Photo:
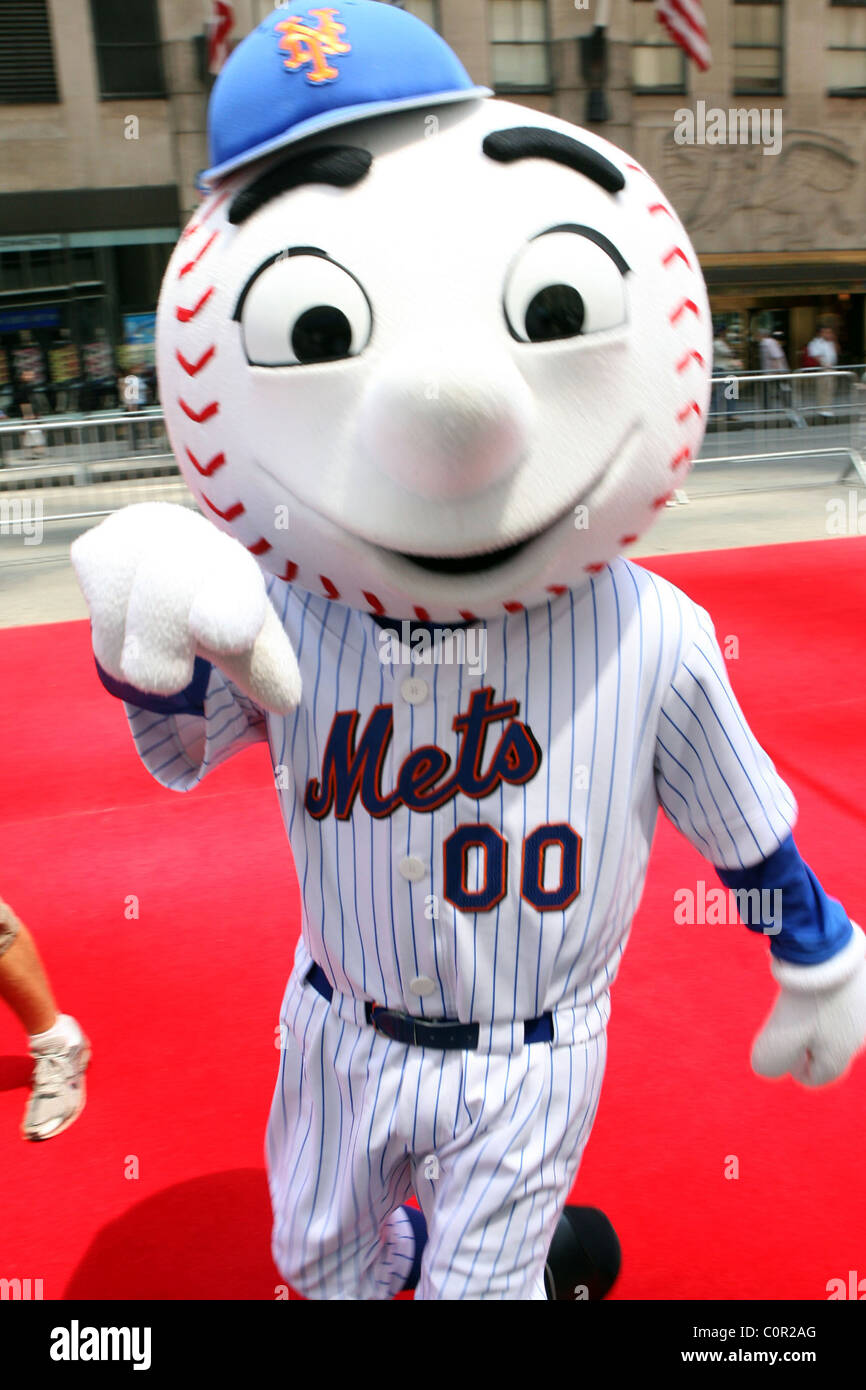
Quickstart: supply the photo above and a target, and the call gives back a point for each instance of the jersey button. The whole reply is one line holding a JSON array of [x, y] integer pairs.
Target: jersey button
[[412, 868], [414, 690], [422, 985]]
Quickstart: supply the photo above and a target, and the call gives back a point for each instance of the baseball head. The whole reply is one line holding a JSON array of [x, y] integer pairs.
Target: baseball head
[[444, 361]]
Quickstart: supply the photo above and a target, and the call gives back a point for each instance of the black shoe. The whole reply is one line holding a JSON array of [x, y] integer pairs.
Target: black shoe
[[584, 1257]]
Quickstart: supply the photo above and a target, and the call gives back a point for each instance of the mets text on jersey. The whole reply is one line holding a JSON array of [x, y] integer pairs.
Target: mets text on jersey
[[350, 768]]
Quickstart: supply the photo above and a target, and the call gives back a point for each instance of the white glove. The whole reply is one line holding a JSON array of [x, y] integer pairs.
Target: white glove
[[818, 1023], [163, 585]]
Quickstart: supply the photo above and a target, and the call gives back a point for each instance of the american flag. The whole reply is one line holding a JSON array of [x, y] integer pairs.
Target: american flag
[[219, 28], [685, 22]]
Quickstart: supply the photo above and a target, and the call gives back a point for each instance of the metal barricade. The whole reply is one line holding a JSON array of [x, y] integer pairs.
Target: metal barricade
[[779, 417], [70, 468]]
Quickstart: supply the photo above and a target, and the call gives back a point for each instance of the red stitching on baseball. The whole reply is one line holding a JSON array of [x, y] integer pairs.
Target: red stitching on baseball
[[682, 457], [557, 589], [374, 603], [289, 572], [193, 368], [198, 417], [627, 540], [213, 207], [467, 616], [184, 315], [196, 226], [207, 470], [660, 501], [659, 207], [681, 309], [692, 356], [235, 510], [422, 615], [672, 255], [691, 409], [330, 589], [261, 547], [513, 607], [594, 569], [191, 265]]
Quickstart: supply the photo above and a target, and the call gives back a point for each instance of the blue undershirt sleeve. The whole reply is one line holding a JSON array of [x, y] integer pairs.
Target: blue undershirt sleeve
[[804, 925]]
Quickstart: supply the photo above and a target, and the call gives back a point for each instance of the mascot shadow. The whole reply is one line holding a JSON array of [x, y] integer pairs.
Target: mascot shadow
[[203, 1239]]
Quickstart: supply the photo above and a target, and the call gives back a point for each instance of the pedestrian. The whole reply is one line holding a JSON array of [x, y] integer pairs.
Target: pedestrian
[[773, 361], [32, 404], [772, 353], [132, 390], [725, 364], [56, 1042], [824, 352]]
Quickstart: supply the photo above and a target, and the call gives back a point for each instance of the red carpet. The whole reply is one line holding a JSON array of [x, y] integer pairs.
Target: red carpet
[[159, 1189]]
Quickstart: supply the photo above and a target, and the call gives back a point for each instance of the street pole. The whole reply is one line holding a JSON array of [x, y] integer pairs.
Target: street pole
[[593, 66]]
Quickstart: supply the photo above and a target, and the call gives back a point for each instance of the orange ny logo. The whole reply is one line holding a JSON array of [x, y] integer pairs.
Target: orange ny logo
[[306, 43]]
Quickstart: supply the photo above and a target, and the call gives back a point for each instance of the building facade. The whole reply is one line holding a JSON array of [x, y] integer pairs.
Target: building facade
[[102, 132]]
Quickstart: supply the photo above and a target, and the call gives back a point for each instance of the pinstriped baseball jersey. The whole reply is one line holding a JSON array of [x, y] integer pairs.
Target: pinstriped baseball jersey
[[473, 844]]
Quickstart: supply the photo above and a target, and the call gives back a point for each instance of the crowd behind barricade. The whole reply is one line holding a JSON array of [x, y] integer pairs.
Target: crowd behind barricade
[[31, 396], [38, 387], [803, 376], [731, 355]]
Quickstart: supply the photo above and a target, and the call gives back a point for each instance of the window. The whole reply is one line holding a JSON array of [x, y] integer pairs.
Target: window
[[26, 53], [128, 49], [846, 51], [657, 63], [520, 40], [758, 46], [11, 271], [428, 10]]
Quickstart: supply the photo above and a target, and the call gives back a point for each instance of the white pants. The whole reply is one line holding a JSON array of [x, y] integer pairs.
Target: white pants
[[489, 1143]]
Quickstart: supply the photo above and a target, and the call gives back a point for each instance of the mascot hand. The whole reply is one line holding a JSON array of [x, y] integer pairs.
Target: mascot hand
[[163, 585], [818, 1023]]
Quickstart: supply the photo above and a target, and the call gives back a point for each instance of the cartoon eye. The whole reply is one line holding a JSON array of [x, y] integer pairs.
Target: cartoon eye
[[566, 282], [301, 307]]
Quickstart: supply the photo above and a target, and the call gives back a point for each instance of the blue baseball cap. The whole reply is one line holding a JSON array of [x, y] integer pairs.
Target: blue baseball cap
[[304, 70]]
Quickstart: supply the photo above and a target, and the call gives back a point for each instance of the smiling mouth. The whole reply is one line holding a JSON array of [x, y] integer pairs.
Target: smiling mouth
[[465, 564], [485, 561]]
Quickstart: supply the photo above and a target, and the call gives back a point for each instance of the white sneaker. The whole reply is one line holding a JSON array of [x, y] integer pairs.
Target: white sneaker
[[58, 1093]]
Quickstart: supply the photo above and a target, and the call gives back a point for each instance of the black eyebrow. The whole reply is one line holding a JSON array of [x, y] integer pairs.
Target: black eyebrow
[[340, 166], [536, 142]]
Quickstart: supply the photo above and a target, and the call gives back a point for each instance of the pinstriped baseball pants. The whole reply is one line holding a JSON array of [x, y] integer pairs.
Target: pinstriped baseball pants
[[489, 1143]]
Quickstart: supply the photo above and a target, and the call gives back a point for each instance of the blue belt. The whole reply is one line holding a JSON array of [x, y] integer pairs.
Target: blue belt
[[445, 1033]]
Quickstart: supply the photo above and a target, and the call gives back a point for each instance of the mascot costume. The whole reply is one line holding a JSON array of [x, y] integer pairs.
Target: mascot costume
[[429, 362]]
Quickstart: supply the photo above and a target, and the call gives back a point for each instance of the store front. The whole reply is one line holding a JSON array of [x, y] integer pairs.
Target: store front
[[77, 306], [790, 297]]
